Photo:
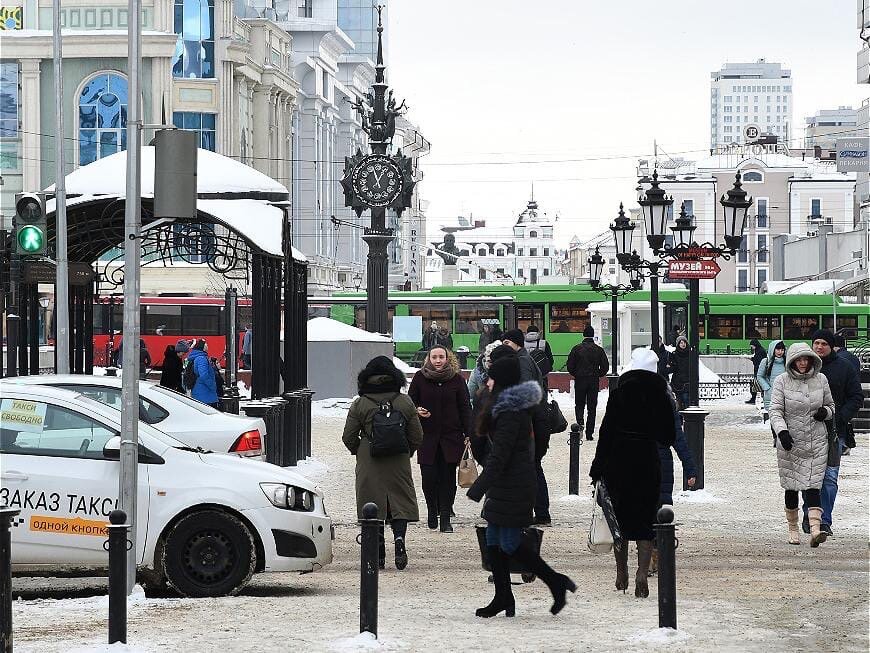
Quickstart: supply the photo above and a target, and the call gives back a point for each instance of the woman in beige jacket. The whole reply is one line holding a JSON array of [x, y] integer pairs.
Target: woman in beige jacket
[[800, 404]]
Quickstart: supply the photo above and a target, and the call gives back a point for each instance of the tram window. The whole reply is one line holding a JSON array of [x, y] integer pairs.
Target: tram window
[[200, 320], [440, 313], [359, 313], [846, 324], [527, 315], [725, 327], [568, 318], [162, 321], [471, 318], [799, 327], [765, 327], [101, 318]]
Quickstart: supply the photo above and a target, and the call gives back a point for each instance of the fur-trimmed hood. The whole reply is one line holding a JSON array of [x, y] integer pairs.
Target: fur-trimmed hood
[[517, 397], [380, 375]]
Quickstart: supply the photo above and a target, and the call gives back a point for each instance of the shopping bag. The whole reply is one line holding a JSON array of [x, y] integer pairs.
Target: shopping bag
[[600, 537], [466, 474]]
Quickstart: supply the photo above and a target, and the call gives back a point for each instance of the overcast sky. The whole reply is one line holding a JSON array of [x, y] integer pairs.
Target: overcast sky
[[569, 93]]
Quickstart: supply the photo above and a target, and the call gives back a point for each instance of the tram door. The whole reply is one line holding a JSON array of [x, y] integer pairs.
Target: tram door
[[676, 317], [530, 314]]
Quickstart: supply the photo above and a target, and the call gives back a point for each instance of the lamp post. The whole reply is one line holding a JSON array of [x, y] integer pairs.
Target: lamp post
[[44, 302]]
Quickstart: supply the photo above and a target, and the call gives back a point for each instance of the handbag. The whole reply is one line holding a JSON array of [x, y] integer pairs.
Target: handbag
[[555, 419], [600, 537], [467, 473]]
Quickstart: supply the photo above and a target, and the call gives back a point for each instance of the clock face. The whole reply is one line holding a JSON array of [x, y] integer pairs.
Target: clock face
[[377, 181]]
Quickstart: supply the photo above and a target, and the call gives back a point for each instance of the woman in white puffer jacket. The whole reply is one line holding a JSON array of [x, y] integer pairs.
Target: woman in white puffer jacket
[[799, 406]]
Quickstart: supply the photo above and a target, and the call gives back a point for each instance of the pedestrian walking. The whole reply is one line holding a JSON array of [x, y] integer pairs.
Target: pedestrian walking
[[204, 385], [664, 357], [441, 397], [539, 350], [144, 358], [514, 343], [772, 366], [801, 403], [759, 355], [247, 347], [848, 398], [680, 367], [508, 480], [170, 375], [587, 363], [219, 381], [639, 418], [384, 480], [478, 393]]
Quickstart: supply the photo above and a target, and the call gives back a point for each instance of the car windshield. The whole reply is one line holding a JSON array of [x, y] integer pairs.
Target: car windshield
[[193, 403]]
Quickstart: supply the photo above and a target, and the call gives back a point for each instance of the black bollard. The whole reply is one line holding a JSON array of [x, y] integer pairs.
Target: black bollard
[[693, 426], [118, 542], [6, 516], [666, 543], [368, 587], [574, 460]]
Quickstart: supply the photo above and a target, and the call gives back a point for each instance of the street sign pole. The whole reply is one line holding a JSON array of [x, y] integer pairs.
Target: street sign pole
[[61, 292], [128, 478]]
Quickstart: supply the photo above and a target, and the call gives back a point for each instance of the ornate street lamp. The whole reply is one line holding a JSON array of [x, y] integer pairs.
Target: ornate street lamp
[[684, 229], [656, 207], [735, 205], [622, 229], [596, 267]]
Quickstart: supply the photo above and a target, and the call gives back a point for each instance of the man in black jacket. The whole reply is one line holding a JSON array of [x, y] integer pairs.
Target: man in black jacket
[[514, 343], [848, 399], [587, 363], [759, 354]]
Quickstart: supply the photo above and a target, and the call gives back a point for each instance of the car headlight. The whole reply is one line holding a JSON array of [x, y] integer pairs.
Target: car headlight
[[288, 497]]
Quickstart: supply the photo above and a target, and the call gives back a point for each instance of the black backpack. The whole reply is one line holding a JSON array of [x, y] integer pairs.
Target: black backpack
[[541, 359], [387, 437], [188, 378]]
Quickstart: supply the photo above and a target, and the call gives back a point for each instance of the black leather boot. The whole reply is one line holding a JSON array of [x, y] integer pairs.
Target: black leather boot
[[446, 526], [501, 578], [558, 583], [621, 555]]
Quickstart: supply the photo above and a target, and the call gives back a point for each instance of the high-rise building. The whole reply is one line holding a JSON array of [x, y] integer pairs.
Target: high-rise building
[[744, 95], [359, 20]]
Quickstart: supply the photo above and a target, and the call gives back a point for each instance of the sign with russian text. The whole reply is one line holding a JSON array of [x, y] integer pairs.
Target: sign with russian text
[[23, 416], [702, 269], [852, 154]]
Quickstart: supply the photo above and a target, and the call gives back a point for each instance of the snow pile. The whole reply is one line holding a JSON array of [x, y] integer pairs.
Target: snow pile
[[403, 367], [311, 468], [574, 498], [336, 407], [324, 329], [662, 636], [697, 496], [366, 641], [706, 375]]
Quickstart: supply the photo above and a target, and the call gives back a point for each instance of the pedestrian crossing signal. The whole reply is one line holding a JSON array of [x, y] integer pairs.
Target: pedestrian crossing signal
[[30, 224]]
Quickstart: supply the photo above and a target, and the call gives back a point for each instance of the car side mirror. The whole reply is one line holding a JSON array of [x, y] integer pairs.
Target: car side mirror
[[112, 448]]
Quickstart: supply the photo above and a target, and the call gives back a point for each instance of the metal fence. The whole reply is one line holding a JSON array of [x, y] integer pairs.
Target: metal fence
[[729, 385]]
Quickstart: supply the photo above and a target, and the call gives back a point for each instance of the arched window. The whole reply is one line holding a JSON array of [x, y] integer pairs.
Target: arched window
[[533, 234], [481, 252], [752, 176], [499, 252], [194, 50], [102, 117]]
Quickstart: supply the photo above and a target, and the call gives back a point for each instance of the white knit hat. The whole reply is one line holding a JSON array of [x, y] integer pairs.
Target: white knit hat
[[643, 358]]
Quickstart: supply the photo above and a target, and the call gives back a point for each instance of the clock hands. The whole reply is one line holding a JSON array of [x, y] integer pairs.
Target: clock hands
[[378, 177]]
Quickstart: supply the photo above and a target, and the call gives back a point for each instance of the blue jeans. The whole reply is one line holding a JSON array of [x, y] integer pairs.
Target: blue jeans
[[829, 492], [507, 538], [542, 498]]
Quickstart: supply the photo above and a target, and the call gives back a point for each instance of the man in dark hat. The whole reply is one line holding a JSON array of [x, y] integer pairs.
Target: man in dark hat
[[587, 363], [848, 399]]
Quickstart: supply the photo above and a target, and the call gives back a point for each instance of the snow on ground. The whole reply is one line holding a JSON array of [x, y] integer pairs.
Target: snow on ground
[[696, 496], [662, 636], [367, 642], [336, 407], [403, 367]]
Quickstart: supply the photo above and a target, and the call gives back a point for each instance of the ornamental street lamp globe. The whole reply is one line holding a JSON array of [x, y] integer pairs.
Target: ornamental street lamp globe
[[656, 207], [596, 267], [735, 205], [684, 228], [622, 229]]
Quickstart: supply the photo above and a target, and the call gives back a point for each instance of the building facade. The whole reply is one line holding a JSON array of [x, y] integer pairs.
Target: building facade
[[750, 94], [827, 125]]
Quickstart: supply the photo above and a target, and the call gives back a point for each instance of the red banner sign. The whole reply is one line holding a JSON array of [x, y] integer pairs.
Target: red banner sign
[[703, 269]]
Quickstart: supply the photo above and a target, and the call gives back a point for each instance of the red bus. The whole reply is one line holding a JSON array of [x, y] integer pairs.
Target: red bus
[[164, 320]]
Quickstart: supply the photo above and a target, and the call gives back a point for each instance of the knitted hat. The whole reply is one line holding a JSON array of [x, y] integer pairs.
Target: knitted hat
[[500, 352], [515, 336], [505, 371], [487, 353], [589, 332], [824, 334]]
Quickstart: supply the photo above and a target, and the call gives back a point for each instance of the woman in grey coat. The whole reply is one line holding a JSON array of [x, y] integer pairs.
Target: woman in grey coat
[[387, 480], [800, 404]]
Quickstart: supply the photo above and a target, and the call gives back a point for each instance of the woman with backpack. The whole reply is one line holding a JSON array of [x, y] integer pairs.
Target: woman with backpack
[[384, 479], [768, 370], [441, 397], [170, 375], [199, 375]]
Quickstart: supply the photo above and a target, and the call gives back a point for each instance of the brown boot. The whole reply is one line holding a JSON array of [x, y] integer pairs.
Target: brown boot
[[644, 553], [654, 562], [621, 555], [817, 535], [794, 532]]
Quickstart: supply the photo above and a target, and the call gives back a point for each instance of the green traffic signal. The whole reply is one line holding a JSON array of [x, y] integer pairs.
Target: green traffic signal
[[31, 239]]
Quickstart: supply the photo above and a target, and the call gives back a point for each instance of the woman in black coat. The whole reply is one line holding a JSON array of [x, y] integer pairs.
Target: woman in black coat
[[170, 377], [680, 366], [638, 419], [509, 482]]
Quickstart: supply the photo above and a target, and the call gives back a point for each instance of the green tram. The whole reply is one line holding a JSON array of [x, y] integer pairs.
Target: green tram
[[727, 321]]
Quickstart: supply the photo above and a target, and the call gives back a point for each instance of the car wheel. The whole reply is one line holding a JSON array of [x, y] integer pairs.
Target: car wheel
[[209, 553]]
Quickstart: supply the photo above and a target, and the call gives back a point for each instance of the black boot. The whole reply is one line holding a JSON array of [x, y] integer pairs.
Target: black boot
[[621, 554], [401, 554], [446, 527], [501, 578], [432, 519], [558, 583]]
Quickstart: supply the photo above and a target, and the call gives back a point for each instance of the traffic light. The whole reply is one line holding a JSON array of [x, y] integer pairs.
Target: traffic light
[[31, 232]]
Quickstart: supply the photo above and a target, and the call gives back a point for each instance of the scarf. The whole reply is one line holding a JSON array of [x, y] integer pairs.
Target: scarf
[[440, 376]]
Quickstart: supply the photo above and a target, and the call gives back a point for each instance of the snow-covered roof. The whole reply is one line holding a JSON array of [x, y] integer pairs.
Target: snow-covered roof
[[257, 220], [324, 329], [215, 174]]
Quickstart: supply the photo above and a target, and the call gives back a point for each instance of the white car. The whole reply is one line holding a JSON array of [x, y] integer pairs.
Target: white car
[[193, 422], [206, 521]]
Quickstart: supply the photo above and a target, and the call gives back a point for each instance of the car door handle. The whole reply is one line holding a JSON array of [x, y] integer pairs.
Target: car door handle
[[14, 476]]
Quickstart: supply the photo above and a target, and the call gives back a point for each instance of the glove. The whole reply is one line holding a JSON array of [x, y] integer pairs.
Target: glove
[[821, 414], [786, 440]]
